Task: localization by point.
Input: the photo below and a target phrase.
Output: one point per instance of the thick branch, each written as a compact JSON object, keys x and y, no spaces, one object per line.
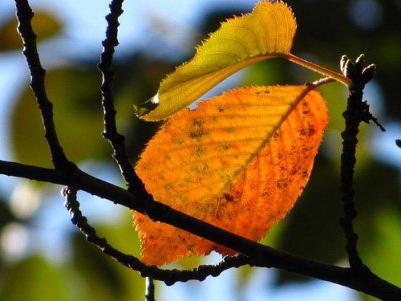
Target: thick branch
{"x":24,"y":16}
{"x":259,"y":255}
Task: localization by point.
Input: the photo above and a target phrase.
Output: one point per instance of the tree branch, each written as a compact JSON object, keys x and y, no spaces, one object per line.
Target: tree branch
{"x":168,"y":276}
{"x":66,"y":173}
{"x":150,"y":289}
{"x":117,"y":140}
{"x":356,"y":112}
{"x":259,"y":255}
{"x":30,"y":172}
{"x":24,"y":15}
{"x":110,"y":128}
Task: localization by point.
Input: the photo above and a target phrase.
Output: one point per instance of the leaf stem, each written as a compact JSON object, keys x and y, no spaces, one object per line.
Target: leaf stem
{"x":317,"y":68}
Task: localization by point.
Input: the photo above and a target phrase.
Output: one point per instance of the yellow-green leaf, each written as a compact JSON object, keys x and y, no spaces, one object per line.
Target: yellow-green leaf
{"x":265,"y":33}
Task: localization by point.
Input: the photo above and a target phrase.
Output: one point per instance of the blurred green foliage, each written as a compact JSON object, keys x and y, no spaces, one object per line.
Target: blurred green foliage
{"x":44,"y":24}
{"x":77,"y":105}
{"x":311,"y":229}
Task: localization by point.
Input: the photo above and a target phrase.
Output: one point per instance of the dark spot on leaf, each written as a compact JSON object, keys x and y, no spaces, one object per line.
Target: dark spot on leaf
{"x":224,"y":146}
{"x":282,"y":183}
{"x":196,"y":134}
{"x":229,"y":130}
{"x":262,"y":92}
{"x":198,"y":122}
{"x":168,"y":186}
{"x":310,"y":131}
{"x":228,"y":197}
{"x":199,"y":151}
{"x":201,"y":169}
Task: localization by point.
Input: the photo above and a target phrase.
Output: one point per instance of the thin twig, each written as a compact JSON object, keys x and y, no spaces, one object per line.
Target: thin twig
{"x":24,"y":15}
{"x":356,"y":112}
{"x":150,"y":289}
{"x":168,"y":276}
{"x":110,"y":132}
{"x":352,"y":116}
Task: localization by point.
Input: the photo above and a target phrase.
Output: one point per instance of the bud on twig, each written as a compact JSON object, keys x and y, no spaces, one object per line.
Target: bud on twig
{"x":349,"y":69}
{"x":368,"y":73}
{"x":343,"y":62}
{"x":359,"y":63}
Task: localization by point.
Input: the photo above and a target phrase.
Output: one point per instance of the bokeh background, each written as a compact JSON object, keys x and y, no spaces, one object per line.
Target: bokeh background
{"x":42,"y":257}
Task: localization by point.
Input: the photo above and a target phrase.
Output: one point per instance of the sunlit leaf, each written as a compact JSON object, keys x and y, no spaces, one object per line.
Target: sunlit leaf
{"x":239,"y":161}
{"x":265,"y":33}
{"x":44,"y":24}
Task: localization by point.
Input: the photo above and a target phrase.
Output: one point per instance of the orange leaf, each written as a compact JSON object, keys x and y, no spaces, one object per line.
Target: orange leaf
{"x":239,"y":161}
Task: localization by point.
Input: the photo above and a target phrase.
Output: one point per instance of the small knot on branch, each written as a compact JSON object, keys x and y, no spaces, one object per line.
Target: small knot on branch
{"x":356,"y":71}
{"x":368,"y":73}
{"x":360,"y":76}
